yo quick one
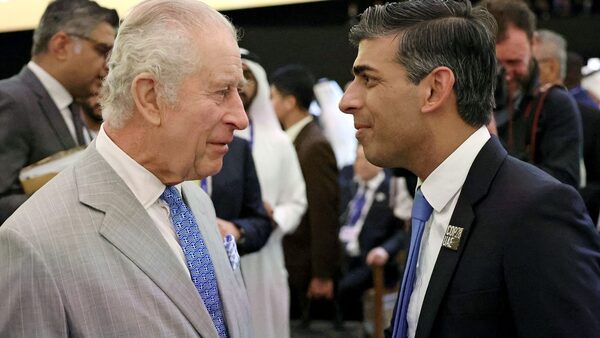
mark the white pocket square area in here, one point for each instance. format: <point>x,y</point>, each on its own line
<point>232,253</point>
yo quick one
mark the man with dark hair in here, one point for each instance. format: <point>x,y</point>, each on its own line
<point>541,124</point>
<point>498,247</point>
<point>312,273</point>
<point>573,78</point>
<point>38,116</point>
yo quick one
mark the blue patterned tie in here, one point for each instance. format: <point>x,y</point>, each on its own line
<point>358,202</point>
<point>421,211</point>
<point>196,256</point>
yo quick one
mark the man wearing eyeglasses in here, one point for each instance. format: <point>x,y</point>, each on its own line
<point>38,116</point>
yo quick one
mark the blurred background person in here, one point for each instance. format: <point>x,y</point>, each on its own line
<point>573,78</point>
<point>38,115</point>
<point>91,114</point>
<point>284,196</point>
<point>550,51</point>
<point>236,195</point>
<point>541,124</point>
<point>312,254</point>
<point>371,235</point>
<point>338,128</point>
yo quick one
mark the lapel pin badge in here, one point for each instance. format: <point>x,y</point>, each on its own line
<point>452,237</point>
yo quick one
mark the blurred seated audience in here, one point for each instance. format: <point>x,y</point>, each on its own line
<point>370,235</point>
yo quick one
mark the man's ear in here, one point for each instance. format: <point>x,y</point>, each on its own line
<point>59,45</point>
<point>144,93</point>
<point>289,102</point>
<point>440,86</point>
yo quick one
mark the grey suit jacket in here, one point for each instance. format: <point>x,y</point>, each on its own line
<point>31,128</point>
<point>82,258</point>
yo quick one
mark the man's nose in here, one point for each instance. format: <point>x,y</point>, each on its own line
<point>237,115</point>
<point>350,100</point>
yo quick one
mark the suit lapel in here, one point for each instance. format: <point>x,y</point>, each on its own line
<point>476,186</point>
<point>128,227</point>
<point>48,107</point>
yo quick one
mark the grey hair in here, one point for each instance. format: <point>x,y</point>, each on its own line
<point>156,37</point>
<point>436,33</point>
<point>70,16</point>
<point>554,45</point>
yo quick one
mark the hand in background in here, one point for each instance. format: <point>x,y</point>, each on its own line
<point>269,209</point>
<point>320,288</point>
<point>226,227</point>
<point>377,257</point>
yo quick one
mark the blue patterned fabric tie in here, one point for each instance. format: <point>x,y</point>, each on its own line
<point>421,211</point>
<point>358,202</point>
<point>196,256</point>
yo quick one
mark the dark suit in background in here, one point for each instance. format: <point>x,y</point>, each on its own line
<point>591,155</point>
<point>313,249</point>
<point>380,228</point>
<point>31,128</point>
<point>237,198</point>
<point>502,281</point>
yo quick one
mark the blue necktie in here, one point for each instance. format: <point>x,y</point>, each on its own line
<point>358,202</point>
<point>204,184</point>
<point>421,211</point>
<point>196,256</point>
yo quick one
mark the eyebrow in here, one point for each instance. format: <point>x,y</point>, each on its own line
<point>360,69</point>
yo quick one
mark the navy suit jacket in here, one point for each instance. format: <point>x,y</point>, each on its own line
<point>31,128</point>
<point>237,198</point>
<point>528,262</point>
<point>591,155</point>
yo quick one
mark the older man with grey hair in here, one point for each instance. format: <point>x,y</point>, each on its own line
<point>38,116</point>
<point>115,245</point>
<point>550,51</point>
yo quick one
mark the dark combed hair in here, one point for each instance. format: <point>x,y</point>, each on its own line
<point>511,12</point>
<point>295,80</point>
<point>435,33</point>
<point>71,16</point>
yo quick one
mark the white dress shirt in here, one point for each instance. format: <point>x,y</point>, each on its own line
<point>294,130</point>
<point>441,189</point>
<point>59,95</point>
<point>146,188</point>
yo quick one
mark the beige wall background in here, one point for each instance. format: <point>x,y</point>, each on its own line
<point>17,15</point>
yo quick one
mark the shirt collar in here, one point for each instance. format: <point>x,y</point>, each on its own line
<point>55,89</point>
<point>294,130</point>
<point>373,183</point>
<point>146,187</point>
<point>448,178</point>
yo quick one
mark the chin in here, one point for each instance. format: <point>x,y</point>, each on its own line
<point>381,158</point>
<point>210,169</point>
